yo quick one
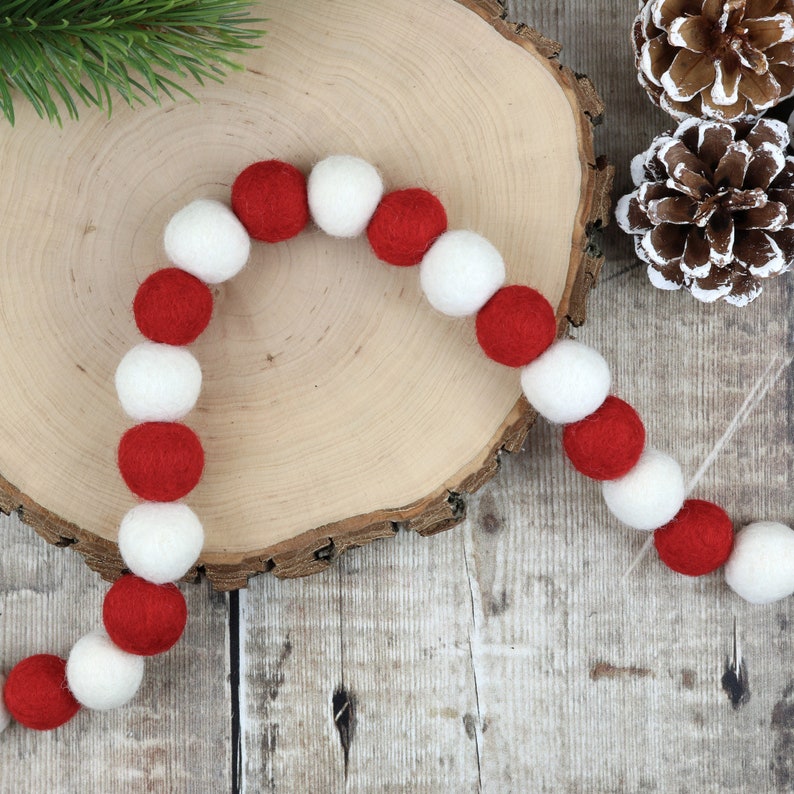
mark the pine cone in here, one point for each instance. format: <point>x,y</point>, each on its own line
<point>722,59</point>
<point>713,211</point>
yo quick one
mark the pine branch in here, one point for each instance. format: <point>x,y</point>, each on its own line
<point>60,54</point>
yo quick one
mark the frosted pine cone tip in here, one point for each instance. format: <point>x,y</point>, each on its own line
<point>722,59</point>
<point>713,208</point>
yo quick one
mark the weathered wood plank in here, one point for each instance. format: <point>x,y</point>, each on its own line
<point>290,668</point>
<point>175,735</point>
<point>388,633</point>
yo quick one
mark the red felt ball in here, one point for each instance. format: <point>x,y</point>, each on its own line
<point>405,225</point>
<point>606,444</point>
<point>160,461</point>
<point>36,693</point>
<point>516,326</point>
<point>697,541</point>
<point>172,307</point>
<point>142,617</point>
<point>270,200</point>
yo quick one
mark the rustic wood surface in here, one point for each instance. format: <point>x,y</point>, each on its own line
<point>287,483</point>
<point>510,654</point>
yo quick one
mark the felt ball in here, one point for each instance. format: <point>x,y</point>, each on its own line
<point>205,238</point>
<point>344,192</point>
<point>101,675</point>
<point>160,541</point>
<point>607,443</point>
<point>160,461</point>
<point>516,326</point>
<point>36,694</point>
<point>172,306</point>
<point>5,714</point>
<point>761,566</point>
<point>270,199</point>
<point>158,383</point>
<point>460,272</point>
<point>567,382</point>
<point>650,494</point>
<point>405,225</point>
<point>144,618</point>
<point>697,541</point>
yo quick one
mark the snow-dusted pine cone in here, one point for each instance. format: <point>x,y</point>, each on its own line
<point>713,211</point>
<point>721,59</point>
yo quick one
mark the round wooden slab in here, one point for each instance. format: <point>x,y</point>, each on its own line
<point>336,402</point>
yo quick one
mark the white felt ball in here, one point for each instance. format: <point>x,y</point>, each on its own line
<point>761,566</point>
<point>158,383</point>
<point>99,674</point>
<point>160,541</point>
<point>567,382</point>
<point>205,238</point>
<point>344,192</point>
<point>5,716</point>
<point>650,495</point>
<point>461,272</point>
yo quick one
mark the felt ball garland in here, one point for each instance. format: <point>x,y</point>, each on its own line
<point>461,273</point>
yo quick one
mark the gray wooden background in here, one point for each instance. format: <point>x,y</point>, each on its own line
<point>511,654</point>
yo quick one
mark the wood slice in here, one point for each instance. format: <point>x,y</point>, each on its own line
<point>336,403</point>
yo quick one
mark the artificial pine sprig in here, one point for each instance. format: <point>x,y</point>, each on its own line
<point>60,53</point>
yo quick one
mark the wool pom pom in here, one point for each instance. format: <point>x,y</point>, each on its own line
<point>144,618</point>
<point>205,238</point>
<point>36,694</point>
<point>761,566</point>
<point>516,326</point>
<point>158,383</point>
<point>567,382</point>
<point>5,714</point>
<point>270,199</point>
<point>405,225</point>
<point>160,461</point>
<point>460,272</point>
<point>650,494</point>
<point>172,307</point>
<point>608,443</point>
<point>160,541</point>
<point>697,541</point>
<point>101,675</point>
<point>344,192</point>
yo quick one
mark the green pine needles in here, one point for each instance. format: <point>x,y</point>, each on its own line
<point>60,54</point>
